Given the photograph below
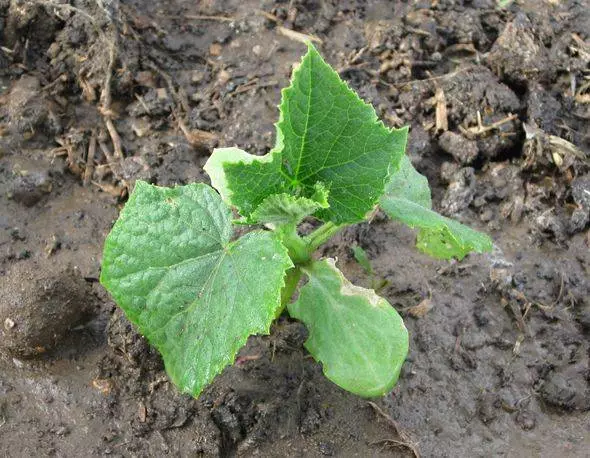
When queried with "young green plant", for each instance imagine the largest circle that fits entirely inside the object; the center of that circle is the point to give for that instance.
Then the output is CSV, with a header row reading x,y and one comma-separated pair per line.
x,y
197,294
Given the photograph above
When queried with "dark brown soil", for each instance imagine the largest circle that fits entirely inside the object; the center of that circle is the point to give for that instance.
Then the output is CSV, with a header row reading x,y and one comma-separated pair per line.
x,y
498,100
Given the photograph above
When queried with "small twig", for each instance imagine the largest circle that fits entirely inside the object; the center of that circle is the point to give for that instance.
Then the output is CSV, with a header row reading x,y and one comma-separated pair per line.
x,y
240,360
196,137
471,132
157,382
89,170
405,439
114,138
205,17
561,289
183,99
105,96
269,16
115,191
183,103
59,151
433,78
298,36
112,163
424,33
71,9
289,33
143,104
253,84
557,145
355,56
72,160
60,79
246,86
442,122
461,47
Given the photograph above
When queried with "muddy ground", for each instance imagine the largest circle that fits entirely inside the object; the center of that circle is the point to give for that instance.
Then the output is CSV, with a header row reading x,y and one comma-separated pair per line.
x,y
97,94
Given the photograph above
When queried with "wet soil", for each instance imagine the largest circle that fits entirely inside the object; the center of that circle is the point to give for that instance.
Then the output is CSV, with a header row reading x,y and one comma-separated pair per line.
x,y
94,95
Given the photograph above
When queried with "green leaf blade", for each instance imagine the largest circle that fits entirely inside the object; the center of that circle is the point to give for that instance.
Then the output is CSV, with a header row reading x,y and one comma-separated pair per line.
x,y
326,134
362,258
193,294
358,337
245,180
407,199
285,209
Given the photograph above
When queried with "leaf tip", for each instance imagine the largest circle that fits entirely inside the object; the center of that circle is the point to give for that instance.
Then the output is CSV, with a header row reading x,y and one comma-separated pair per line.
x,y
311,49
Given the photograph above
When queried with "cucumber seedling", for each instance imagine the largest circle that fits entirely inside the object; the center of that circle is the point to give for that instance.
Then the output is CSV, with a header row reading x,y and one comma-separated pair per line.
x,y
196,293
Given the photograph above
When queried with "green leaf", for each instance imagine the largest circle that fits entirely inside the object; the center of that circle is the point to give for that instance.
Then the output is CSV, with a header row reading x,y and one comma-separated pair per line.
x,y
245,180
196,296
358,336
361,257
407,199
285,209
325,134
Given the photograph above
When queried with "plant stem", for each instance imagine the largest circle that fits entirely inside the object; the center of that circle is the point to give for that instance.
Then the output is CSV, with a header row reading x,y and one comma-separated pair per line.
x,y
297,246
291,281
300,250
321,235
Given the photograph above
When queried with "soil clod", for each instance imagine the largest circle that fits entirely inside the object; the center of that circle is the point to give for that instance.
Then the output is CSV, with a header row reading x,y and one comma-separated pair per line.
x,y
39,305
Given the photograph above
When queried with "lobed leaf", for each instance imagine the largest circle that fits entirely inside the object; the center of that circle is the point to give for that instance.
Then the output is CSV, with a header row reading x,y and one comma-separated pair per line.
x,y
407,199
358,336
169,264
325,134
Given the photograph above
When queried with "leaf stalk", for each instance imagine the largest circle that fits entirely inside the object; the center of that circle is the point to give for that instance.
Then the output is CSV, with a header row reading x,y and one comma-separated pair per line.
x,y
321,235
291,281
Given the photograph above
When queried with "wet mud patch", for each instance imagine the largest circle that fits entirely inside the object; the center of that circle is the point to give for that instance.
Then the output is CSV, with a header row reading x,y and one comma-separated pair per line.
x,y
95,95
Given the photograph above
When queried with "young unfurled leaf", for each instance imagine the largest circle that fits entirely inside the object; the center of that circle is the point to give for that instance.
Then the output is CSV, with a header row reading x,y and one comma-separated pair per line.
x,y
285,209
358,336
407,199
196,296
361,257
325,134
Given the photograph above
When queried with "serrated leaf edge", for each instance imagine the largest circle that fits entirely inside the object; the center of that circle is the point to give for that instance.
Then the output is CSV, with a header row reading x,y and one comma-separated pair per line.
x,y
242,339
279,146
223,251
230,155
221,156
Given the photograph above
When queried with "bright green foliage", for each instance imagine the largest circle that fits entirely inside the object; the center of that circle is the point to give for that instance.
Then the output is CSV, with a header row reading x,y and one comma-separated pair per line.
x,y
170,264
325,134
245,180
285,209
358,336
407,199
361,257
195,295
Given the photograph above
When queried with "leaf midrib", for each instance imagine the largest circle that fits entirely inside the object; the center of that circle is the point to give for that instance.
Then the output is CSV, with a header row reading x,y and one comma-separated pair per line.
x,y
305,131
